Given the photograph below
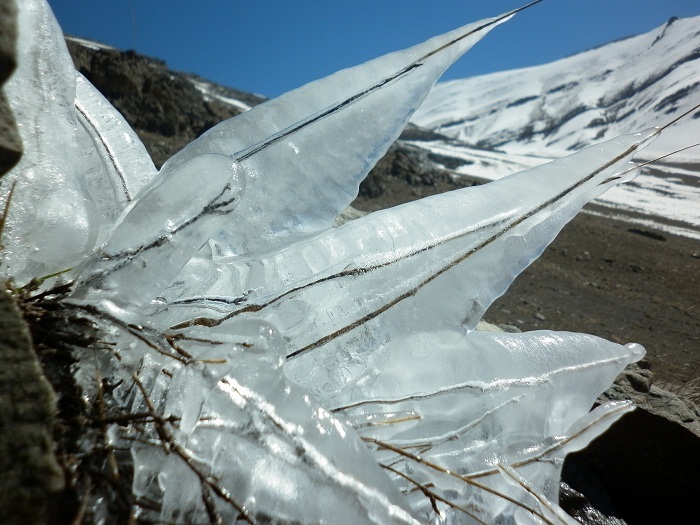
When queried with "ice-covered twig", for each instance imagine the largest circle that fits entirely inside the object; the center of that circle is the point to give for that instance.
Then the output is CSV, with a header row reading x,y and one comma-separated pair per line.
x,y
465,478
232,322
208,481
554,514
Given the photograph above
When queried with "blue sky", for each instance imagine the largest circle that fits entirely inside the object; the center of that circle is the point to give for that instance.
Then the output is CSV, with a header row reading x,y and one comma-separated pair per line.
x,y
269,47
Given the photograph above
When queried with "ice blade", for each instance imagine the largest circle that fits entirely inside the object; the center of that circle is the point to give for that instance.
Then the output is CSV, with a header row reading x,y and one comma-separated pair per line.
x,y
296,147
50,223
431,264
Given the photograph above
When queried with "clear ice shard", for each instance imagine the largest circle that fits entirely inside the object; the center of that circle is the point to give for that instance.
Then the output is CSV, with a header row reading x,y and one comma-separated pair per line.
x,y
49,228
279,142
66,200
162,228
276,369
340,294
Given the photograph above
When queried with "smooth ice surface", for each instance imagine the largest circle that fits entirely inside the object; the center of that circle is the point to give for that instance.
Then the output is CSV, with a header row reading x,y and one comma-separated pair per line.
x,y
82,163
277,369
48,229
162,229
278,142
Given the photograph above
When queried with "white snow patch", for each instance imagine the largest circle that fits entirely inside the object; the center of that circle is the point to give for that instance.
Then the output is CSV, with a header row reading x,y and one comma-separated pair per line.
x,y
206,89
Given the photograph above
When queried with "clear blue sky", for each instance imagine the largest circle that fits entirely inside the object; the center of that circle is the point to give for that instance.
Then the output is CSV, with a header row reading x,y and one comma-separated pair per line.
x,y
269,47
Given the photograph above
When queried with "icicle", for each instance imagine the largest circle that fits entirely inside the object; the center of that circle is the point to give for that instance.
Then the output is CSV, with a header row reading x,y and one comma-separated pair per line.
x,y
291,146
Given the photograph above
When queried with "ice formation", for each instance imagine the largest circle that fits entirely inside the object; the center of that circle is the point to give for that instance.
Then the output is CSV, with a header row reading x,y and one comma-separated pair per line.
x,y
278,369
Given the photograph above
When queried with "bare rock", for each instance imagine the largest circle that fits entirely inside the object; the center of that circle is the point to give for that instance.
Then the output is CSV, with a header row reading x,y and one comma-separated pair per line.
x,y
31,477
578,507
10,143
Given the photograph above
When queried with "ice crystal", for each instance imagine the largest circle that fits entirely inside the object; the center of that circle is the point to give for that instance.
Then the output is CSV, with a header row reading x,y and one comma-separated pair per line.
x,y
274,368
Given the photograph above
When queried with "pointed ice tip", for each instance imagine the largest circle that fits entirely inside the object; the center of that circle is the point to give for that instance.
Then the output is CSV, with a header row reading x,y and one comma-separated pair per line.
x,y
522,8
505,16
300,138
636,351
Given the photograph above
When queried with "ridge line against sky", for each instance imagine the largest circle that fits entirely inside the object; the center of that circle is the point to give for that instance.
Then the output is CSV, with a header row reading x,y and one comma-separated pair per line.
x,y
271,46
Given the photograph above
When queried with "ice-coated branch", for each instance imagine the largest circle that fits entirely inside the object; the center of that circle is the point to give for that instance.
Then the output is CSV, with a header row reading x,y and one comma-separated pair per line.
x,y
170,444
443,247
297,135
162,229
124,157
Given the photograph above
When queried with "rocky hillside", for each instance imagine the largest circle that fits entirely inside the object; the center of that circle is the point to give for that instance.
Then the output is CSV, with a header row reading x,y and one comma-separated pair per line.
x,y
167,109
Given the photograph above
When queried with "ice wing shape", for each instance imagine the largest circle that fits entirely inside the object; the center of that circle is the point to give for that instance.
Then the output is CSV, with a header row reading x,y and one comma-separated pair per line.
x,y
306,152
422,266
127,166
449,401
97,163
48,201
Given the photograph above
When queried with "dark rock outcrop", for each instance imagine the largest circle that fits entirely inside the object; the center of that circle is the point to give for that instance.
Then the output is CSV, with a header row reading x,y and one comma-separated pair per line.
x,y
407,173
31,479
10,143
164,107
650,459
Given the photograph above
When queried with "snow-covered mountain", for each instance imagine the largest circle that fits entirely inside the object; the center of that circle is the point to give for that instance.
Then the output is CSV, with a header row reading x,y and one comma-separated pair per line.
x,y
562,106
506,121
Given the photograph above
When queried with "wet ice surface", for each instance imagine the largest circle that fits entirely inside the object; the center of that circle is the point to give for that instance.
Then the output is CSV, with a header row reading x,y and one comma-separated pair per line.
x,y
277,368
162,229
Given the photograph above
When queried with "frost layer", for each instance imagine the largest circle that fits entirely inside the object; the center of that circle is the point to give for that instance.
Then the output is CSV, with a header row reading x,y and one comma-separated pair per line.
x,y
271,368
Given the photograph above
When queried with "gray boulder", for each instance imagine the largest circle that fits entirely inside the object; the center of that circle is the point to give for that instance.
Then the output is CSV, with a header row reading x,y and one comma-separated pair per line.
x,y
10,143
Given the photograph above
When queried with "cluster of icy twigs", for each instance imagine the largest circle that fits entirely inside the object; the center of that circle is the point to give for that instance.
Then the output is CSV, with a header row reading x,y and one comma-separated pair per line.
x,y
273,368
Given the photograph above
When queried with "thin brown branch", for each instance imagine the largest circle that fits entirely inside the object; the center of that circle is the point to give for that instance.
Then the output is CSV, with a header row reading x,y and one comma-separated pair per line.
x,y
170,444
465,479
433,496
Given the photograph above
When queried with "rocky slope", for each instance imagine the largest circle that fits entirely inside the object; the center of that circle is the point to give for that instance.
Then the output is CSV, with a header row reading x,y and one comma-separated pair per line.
x,y
167,109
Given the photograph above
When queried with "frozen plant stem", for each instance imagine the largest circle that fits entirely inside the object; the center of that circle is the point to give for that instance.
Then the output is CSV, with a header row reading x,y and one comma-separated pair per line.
x,y
171,445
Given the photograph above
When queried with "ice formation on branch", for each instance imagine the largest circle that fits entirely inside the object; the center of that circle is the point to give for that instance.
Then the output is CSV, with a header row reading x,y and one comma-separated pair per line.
x,y
278,369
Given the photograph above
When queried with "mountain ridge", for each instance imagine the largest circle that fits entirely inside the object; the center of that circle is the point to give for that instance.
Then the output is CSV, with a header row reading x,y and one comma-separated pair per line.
x,y
554,108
